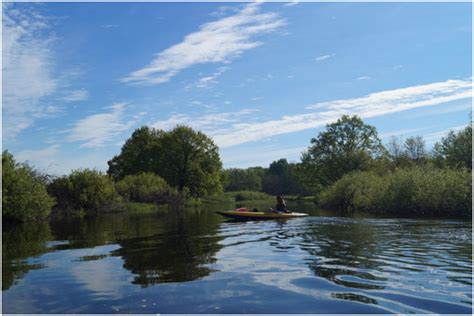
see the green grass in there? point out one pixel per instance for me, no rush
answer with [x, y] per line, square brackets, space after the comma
[137, 207]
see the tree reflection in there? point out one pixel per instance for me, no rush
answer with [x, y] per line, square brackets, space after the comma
[178, 251]
[344, 249]
[18, 244]
[168, 245]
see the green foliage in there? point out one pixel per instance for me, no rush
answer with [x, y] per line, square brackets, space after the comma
[87, 190]
[455, 149]
[410, 191]
[345, 146]
[146, 188]
[249, 196]
[243, 179]
[24, 195]
[281, 179]
[183, 157]
[140, 153]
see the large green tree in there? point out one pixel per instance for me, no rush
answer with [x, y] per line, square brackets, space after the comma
[455, 149]
[140, 153]
[183, 157]
[346, 145]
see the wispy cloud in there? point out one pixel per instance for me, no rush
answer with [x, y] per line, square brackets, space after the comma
[215, 42]
[208, 81]
[401, 99]
[76, 95]
[324, 57]
[27, 68]
[209, 122]
[228, 131]
[363, 78]
[291, 3]
[99, 129]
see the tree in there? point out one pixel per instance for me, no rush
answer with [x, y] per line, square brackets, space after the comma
[249, 179]
[138, 154]
[346, 145]
[455, 149]
[183, 157]
[281, 178]
[415, 149]
[24, 195]
[397, 155]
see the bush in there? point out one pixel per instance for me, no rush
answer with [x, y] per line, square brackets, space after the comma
[412, 191]
[146, 188]
[87, 190]
[24, 195]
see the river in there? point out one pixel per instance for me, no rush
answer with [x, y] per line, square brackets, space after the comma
[194, 261]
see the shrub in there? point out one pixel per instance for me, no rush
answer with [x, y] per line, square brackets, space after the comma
[24, 195]
[146, 188]
[412, 191]
[87, 190]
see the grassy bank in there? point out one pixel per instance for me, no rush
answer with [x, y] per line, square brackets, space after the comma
[408, 192]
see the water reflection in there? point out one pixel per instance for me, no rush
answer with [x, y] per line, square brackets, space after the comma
[18, 244]
[193, 260]
[176, 252]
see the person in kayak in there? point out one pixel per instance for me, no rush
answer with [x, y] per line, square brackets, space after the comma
[281, 205]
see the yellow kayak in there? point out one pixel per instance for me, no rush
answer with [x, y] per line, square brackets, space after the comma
[259, 215]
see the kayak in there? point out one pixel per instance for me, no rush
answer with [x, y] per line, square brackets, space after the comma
[259, 215]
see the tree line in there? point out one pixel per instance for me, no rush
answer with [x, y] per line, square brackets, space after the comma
[156, 166]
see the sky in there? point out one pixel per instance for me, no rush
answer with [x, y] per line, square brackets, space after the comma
[261, 79]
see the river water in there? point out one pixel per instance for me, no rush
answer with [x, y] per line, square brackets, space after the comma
[194, 261]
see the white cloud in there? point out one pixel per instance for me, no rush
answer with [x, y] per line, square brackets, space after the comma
[208, 81]
[291, 3]
[98, 129]
[216, 42]
[324, 57]
[363, 78]
[396, 100]
[76, 96]
[228, 130]
[209, 122]
[27, 68]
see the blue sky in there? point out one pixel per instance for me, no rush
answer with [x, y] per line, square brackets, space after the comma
[261, 79]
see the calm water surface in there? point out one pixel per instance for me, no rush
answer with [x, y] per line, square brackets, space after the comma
[194, 261]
